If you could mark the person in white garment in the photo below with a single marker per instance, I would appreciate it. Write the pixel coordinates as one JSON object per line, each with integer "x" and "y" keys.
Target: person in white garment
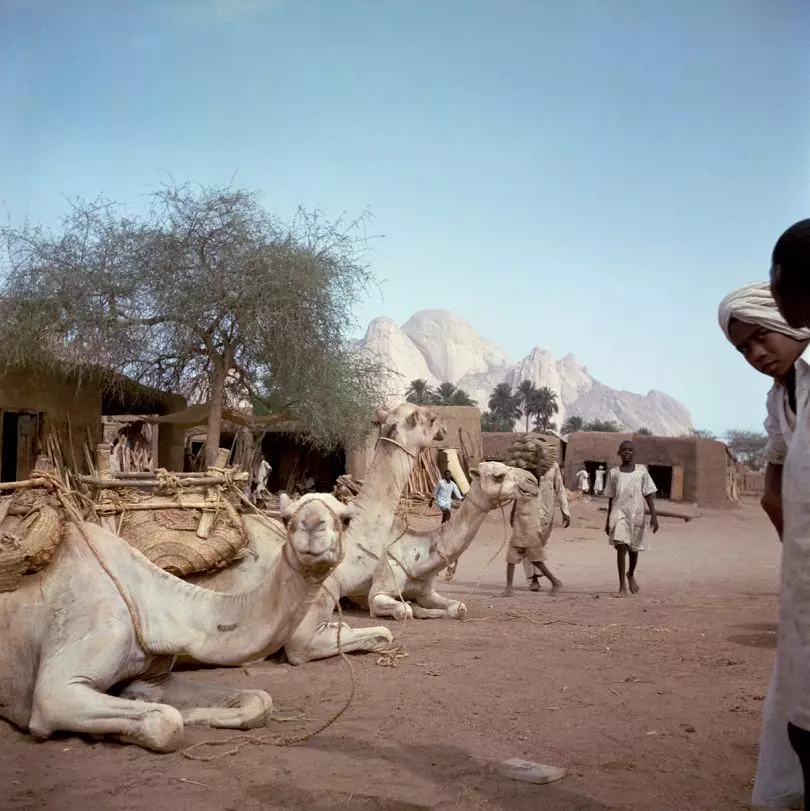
{"x": 629, "y": 488}
{"x": 599, "y": 481}
{"x": 751, "y": 321}
{"x": 261, "y": 477}
{"x": 444, "y": 493}
{"x": 583, "y": 481}
{"x": 532, "y": 521}
{"x": 790, "y": 285}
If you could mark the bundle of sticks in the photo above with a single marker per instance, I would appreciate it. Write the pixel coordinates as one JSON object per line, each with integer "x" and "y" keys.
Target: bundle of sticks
{"x": 346, "y": 488}
{"x": 423, "y": 478}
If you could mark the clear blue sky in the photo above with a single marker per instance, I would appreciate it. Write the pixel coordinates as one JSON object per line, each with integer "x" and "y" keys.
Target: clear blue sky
{"x": 586, "y": 176}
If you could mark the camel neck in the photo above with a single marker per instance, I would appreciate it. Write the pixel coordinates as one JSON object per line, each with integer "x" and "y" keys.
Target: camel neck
{"x": 382, "y": 489}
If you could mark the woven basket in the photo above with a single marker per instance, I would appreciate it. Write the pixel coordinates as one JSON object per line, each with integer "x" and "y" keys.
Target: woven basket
{"x": 28, "y": 543}
{"x": 168, "y": 538}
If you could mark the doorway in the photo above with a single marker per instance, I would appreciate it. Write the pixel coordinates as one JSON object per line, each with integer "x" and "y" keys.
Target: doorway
{"x": 19, "y": 435}
{"x": 662, "y": 478}
{"x": 591, "y": 467}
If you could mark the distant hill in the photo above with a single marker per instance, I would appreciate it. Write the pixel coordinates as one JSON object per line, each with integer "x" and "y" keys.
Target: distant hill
{"x": 440, "y": 346}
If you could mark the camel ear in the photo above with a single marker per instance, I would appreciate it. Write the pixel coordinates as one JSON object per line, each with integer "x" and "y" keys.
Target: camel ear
{"x": 381, "y": 415}
{"x": 413, "y": 418}
{"x": 285, "y": 504}
{"x": 475, "y": 473}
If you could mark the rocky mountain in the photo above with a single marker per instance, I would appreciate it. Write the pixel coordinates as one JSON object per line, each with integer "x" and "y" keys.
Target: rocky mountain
{"x": 438, "y": 346}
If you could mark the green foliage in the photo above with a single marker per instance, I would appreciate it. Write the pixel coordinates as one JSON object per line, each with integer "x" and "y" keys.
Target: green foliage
{"x": 447, "y": 394}
{"x": 605, "y": 426}
{"x": 748, "y": 447}
{"x": 504, "y": 404}
{"x": 573, "y": 424}
{"x": 492, "y": 423}
{"x": 420, "y": 393}
{"x": 207, "y": 295}
{"x": 644, "y": 432}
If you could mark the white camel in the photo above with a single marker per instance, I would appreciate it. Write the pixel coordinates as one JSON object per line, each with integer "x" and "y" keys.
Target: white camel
{"x": 87, "y": 644}
{"x": 413, "y": 560}
{"x": 404, "y": 432}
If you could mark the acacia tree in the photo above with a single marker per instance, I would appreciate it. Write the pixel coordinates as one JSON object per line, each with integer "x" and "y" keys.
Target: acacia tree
{"x": 573, "y": 424}
{"x": 748, "y": 447}
{"x": 207, "y": 295}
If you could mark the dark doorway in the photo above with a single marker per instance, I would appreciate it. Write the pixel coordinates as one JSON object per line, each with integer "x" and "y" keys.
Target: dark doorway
{"x": 662, "y": 478}
{"x": 592, "y": 467}
{"x": 8, "y": 460}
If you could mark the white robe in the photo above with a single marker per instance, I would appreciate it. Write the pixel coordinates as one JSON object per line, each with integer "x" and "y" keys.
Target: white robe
{"x": 779, "y": 782}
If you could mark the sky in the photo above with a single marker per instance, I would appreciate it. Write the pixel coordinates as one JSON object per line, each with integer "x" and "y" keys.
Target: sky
{"x": 588, "y": 176}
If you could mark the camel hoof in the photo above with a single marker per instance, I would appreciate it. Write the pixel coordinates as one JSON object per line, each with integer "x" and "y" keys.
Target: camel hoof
{"x": 161, "y": 730}
{"x": 257, "y": 709}
{"x": 403, "y": 612}
{"x": 457, "y": 611}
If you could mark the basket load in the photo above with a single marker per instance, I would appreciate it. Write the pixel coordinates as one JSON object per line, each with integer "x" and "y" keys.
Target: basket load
{"x": 185, "y": 523}
{"x": 31, "y": 525}
{"x": 533, "y": 452}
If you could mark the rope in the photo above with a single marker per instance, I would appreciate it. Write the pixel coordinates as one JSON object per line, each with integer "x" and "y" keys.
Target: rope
{"x": 493, "y": 558}
{"x": 398, "y": 444}
{"x": 270, "y": 738}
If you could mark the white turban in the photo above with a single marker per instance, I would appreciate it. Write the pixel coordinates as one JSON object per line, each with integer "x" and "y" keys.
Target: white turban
{"x": 754, "y": 304}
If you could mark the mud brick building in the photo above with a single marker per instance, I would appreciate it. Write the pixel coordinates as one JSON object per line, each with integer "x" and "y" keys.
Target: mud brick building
{"x": 688, "y": 469}
{"x": 37, "y": 402}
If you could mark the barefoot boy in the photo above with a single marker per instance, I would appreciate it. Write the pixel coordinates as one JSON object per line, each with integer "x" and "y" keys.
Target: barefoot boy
{"x": 628, "y": 487}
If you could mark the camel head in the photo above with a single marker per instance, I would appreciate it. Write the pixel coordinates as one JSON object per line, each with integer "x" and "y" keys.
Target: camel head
{"x": 412, "y": 426}
{"x": 315, "y": 524}
{"x": 495, "y": 484}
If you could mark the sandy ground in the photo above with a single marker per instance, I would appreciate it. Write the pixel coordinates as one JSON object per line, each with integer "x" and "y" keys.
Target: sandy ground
{"x": 653, "y": 702}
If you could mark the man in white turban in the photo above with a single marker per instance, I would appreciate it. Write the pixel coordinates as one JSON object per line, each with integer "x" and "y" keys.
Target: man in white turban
{"x": 752, "y": 322}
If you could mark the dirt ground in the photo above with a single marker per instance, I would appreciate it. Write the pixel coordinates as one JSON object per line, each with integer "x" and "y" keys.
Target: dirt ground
{"x": 652, "y": 702}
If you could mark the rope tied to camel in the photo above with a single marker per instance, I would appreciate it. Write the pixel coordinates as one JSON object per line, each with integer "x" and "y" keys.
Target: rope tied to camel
{"x": 271, "y": 739}
{"x": 398, "y": 444}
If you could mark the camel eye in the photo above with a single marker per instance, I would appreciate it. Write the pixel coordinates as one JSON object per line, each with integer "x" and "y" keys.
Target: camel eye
{"x": 498, "y": 476}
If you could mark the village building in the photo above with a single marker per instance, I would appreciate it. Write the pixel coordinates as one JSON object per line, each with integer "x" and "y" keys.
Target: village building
{"x": 691, "y": 469}
{"x": 38, "y": 403}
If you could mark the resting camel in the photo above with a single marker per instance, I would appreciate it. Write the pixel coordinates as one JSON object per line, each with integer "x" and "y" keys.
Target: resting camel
{"x": 101, "y": 625}
{"x": 414, "y": 559}
{"x": 404, "y": 432}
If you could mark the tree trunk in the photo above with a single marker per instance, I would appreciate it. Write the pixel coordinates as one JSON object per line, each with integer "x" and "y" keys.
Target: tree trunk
{"x": 215, "y": 415}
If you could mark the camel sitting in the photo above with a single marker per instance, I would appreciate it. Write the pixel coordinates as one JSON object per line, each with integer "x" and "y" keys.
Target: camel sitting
{"x": 412, "y": 561}
{"x": 101, "y": 625}
{"x": 404, "y": 432}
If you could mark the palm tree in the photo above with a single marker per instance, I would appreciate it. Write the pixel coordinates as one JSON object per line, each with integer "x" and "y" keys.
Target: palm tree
{"x": 573, "y": 424}
{"x": 490, "y": 423}
{"x": 505, "y": 404}
{"x": 527, "y": 392}
{"x": 420, "y": 393}
{"x": 461, "y": 398}
{"x": 644, "y": 432}
{"x": 444, "y": 394}
{"x": 544, "y": 406}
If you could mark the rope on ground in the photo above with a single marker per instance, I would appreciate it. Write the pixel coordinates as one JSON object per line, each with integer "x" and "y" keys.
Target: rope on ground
{"x": 270, "y": 738}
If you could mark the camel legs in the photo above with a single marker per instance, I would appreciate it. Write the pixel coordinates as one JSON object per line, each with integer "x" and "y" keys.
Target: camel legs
{"x": 316, "y": 637}
{"x": 74, "y": 707}
{"x": 203, "y": 705}
{"x": 383, "y": 605}
{"x": 431, "y": 605}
